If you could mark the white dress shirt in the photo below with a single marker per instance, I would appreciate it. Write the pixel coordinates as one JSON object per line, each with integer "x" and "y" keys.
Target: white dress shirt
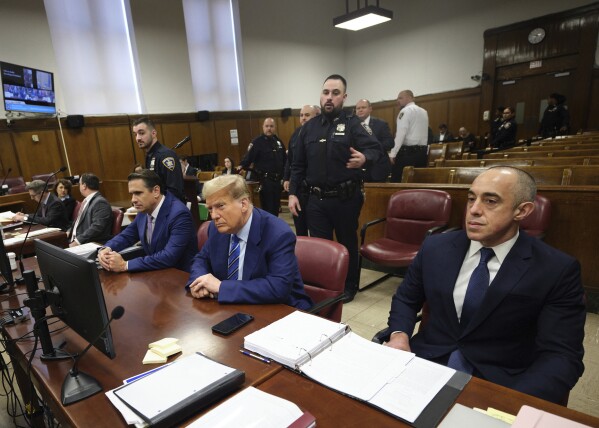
{"x": 412, "y": 128}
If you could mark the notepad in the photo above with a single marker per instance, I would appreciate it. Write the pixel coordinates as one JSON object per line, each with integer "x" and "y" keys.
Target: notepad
{"x": 393, "y": 380}
{"x": 529, "y": 417}
{"x": 160, "y": 350}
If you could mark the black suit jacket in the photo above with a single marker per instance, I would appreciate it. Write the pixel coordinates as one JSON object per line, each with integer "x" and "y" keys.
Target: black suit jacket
{"x": 55, "y": 213}
{"x": 381, "y": 131}
{"x": 527, "y": 334}
{"x": 95, "y": 224}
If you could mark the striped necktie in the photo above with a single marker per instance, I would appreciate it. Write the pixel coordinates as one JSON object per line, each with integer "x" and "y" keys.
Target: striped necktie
{"x": 233, "y": 263}
{"x": 150, "y": 229}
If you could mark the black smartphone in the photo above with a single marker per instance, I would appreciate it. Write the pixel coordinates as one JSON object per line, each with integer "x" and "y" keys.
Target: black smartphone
{"x": 231, "y": 324}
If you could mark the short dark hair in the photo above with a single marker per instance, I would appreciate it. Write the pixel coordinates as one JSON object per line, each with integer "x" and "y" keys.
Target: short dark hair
{"x": 66, "y": 183}
{"x": 145, "y": 120}
{"x": 90, "y": 180}
{"x": 183, "y": 158}
{"x": 338, "y": 77}
{"x": 149, "y": 177}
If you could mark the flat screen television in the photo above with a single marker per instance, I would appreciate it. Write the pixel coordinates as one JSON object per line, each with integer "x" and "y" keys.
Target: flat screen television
{"x": 75, "y": 293}
{"x": 27, "y": 89}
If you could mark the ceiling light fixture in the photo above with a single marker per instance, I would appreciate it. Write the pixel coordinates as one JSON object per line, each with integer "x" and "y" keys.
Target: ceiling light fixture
{"x": 362, "y": 18}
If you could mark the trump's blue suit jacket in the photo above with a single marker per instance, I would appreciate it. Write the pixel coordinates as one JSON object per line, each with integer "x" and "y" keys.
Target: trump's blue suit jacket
{"x": 528, "y": 332}
{"x": 174, "y": 241}
{"x": 270, "y": 270}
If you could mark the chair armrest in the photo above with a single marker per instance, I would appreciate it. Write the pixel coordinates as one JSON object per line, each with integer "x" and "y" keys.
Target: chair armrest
{"x": 366, "y": 226}
{"x": 325, "y": 304}
{"x": 451, "y": 229}
{"x": 435, "y": 229}
{"x": 381, "y": 336}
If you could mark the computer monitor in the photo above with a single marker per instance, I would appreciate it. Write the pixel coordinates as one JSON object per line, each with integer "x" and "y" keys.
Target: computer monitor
{"x": 27, "y": 90}
{"x": 5, "y": 269}
{"x": 75, "y": 293}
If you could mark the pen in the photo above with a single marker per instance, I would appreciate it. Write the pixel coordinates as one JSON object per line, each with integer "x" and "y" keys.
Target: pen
{"x": 256, "y": 356}
{"x": 144, "y": 374}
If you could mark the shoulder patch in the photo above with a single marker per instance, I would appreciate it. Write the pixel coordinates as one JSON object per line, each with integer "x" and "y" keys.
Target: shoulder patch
{"x": 169, "y": 163}
{"x": 401, "y": 115}
{"x": 250, "y": 146}
{"x": 367, "y": 128}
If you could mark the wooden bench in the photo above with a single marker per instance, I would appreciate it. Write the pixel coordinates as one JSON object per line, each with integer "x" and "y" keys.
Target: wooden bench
{"x": 549, "y": 175}
{"x": 550, "y": 147}
{"x": 472, "y": 163}
{"x": 539, "y": 154}
{"x": 560, "y": 161}
{"x": 436, "y": 151}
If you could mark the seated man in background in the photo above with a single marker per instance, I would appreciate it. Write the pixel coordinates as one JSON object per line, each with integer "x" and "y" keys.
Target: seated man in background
{"x": 51, "y": 212}
{"x": 94, "y": 220}
{"x": 250, "y": 254}
{"x": 503, "y": 306}
{"x": 469, "y": 140}
{"x": 163, "y": 225}
{"x": 444, "y": 136}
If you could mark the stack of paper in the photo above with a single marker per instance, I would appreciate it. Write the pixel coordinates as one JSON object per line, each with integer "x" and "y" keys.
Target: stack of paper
{"x": 294, "y": 339}
{"x": 6, "y": 216}
{"x": 159, "y": 351}
{"x": 531, "y": 417}
{"x": 252, "y": 407}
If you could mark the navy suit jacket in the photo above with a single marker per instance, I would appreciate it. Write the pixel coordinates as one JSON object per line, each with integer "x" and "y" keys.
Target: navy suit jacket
{"x": 528, "y": 332}
{"x": 174, "y": 241}
{"x": 270, "y": 270}
{"x": 56, "y": 213}
{"x": 381, "y": 131}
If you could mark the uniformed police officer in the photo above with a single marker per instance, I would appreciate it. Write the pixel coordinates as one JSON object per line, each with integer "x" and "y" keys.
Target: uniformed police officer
{"x": 268, "y": 155}
{"x": 162, "y": 160}
{"x": 556, "y": 118}
{"x": 506, "y": 134}
{"x": 300, "y": 221}
{"x": 330, "y": 153}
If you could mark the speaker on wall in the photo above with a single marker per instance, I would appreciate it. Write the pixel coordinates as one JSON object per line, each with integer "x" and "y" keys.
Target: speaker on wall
{"x": 203, "y": 115}
{"x": 75, "y": 121}
{"x": 286, "y": 112}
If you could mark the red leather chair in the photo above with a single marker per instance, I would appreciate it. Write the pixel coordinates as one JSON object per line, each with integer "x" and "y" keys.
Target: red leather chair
{"x": 323, "y": 265}
{"x": 202, "y": 234}
{"x": 117, "y": 221}
{"x": 76, "y": 210}
{"x": 537, "y": 223}
{"x": 412, "y": 215}
{"x": 15, "y": 185}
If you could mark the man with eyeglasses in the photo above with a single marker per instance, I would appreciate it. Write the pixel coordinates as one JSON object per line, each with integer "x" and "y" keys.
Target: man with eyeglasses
{"x": 51, "y": 212}
{"x": 249, "y": 256}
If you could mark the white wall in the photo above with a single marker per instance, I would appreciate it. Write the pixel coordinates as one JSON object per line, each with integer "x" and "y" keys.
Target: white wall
{"x": 290, "y": 46}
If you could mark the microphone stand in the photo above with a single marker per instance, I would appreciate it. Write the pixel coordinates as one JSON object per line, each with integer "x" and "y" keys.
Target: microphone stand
{"x": 4, "y": 181}
{"x": 21, "y": 280}
{"x": 78, "y": 385}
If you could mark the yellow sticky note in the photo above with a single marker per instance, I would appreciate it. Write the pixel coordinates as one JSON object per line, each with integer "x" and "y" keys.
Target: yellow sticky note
{"x": 502, "y": 416}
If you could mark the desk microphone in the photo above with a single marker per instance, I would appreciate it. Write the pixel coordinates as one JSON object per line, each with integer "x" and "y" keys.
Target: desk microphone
{"x": 20, "y": 255}
{"x": 4, "y": 180}
{"x": 78, "y": 385}
{"x": 183, "y": 141}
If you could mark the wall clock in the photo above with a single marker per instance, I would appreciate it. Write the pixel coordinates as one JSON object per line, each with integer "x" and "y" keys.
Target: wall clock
{"x": 536, "y": 36}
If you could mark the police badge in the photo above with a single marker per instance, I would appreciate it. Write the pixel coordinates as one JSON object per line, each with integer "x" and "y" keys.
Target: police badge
{"x": 341, "y": 127}
{"x": 169, "y": 163}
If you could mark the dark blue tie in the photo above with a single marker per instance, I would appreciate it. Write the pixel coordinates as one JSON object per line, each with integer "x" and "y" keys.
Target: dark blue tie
{"x": 477, "y": 287}
{"x": 233, "y": 263}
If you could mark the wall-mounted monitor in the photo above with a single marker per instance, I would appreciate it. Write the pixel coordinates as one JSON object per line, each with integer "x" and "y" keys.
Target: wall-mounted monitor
{"x": 27, "y": 90}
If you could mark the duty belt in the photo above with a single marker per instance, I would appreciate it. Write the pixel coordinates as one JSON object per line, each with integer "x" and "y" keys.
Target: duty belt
{"x": 411, "y": 149}
{"x": 272, "y": 176}
{"x": 343, "y": 190}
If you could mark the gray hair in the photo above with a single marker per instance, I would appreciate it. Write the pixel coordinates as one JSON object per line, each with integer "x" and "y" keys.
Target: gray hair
{"x": 36, "y": 185}
{"x": 235, "y": 185}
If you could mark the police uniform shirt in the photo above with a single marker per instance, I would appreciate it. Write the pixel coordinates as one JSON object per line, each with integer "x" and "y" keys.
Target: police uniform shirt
{"x": 267, "y": 154}
{"x": 554, "y": 118}
{"x": 412, "y": 128}
{"x": 291, "y": 148}
{"x": 322, "y": 151}
{"x": 165, "y": 163}
{"x": 506, "y": 134}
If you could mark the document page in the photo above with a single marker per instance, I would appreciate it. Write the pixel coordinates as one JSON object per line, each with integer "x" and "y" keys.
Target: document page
{"x": 181, "y": 379}
{"x": 408, "y": 394}
{"x": 251, "y": 408}
{"x": 356, "y": 366}
{"x": 83, "y": 249}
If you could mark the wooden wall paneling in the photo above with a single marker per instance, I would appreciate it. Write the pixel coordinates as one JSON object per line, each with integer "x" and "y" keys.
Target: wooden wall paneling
{"x": 285, "y": 127}
{"x": 437, "y": 113}
{"x": 246, "y": 135}
{"x": 116, "y": 192}
{"x": 40, "y": 157}
{"x": 172, "y": 133}
{"x": 203, "y": 139}
{"x": 83, "y": 151}
{"x": 464, "y": 111}
{"x": 117, "y": 151}
{"x": 8, "y": 156}
{"x": 386, "y": 111}
{"x": 222, "y": 134}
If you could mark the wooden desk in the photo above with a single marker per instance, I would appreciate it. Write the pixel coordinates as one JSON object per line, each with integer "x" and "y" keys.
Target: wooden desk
{"x": 156, "y": 306}
{"x": 58, "y": 238}
{"x": 332, "y": 409}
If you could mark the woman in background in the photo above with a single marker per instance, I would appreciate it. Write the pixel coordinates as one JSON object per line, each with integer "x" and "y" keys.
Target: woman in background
{"x": 62, "y": 189}
{"x": 229, "y": 167}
